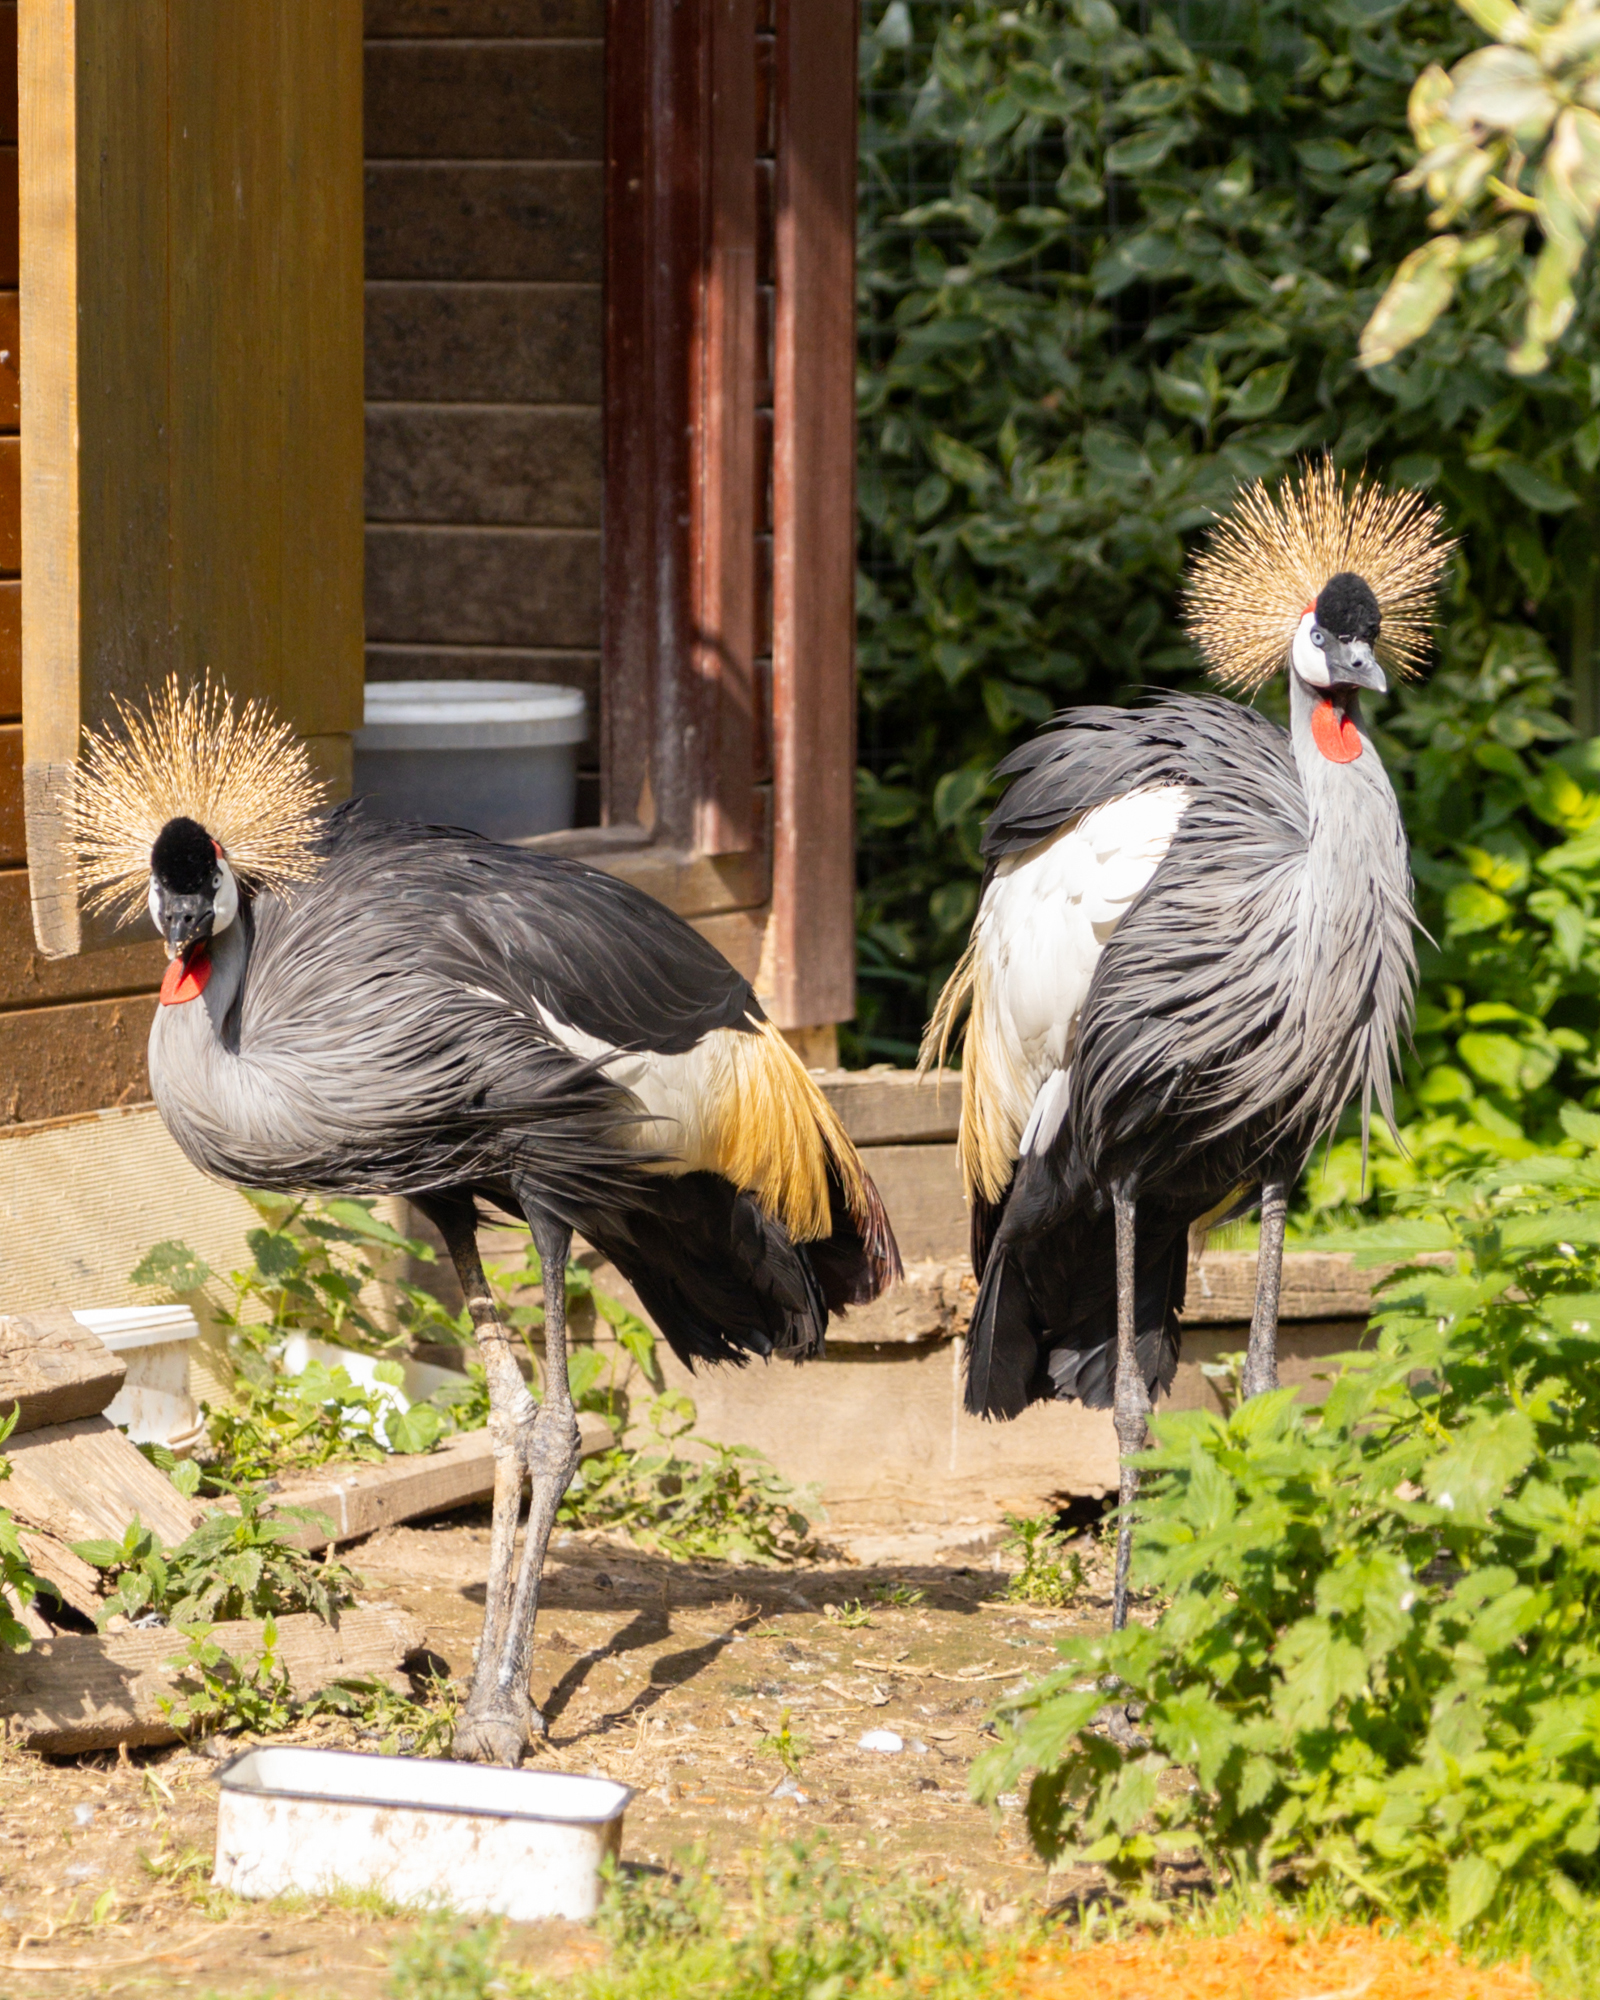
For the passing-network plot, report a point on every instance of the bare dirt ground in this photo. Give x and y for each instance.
(667, 1677)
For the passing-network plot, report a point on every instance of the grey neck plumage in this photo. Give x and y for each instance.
(1361, 957)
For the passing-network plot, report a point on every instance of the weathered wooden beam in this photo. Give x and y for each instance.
(52, 1369)
(79, 1692)
(83, 1481)
(360, 1499)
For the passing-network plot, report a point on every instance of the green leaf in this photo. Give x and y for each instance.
(1260, 393)
(1418, 293)
(172, 1267)
(1471, 1887)
(1534, 488)
(1471, 907)
(415, 1430)
(957, 794)
(1497, 1059)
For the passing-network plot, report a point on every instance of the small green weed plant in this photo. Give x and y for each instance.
(19, 1586)
(786, 1745)
(233, 1565)
(219, 1695)
(688, 1497)
(1377, 1664)
(1049, 1575)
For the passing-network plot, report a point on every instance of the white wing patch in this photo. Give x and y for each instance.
(1045, 919)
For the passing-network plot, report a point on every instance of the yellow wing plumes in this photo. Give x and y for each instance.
(989, 1130)
(192, 754)
(1269, 558)
(774, 1133)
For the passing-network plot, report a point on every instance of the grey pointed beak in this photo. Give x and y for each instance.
(1352, 663)
(185, 920)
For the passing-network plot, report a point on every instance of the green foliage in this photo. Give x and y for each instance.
(401, 1725)
(18, 1584)
(279, 1422)
(234, 1565)
(318, 1268)
(1510, 145)
(1109, 273)
(786, 1746)
(221, 1696)
(1378, 1661)
(690, 1497)
(852, 1614)
(806, 1928)
(1044, 1578)
(1508, 1021)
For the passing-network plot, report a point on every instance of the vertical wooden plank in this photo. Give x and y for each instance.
(638, 513)
(813, 648)
(192, 436)
(680, 368)
(321, 316)
(724, 372)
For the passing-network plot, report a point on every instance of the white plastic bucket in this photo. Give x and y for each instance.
(486, 1842)
(499, 757)
(153, 1405)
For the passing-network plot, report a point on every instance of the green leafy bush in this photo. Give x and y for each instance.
(1109, 272)
(1377, 1658)
(234, 1565)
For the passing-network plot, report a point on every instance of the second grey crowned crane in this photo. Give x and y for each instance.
(359, 1006)
(1193, 947)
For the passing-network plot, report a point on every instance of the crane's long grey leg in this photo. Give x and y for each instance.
(1131, 1407)
(551, 1459)
(491, 1732)
(1261, 1358)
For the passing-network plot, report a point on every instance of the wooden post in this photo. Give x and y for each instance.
(191, 203)
(679, 639)
(813, 640)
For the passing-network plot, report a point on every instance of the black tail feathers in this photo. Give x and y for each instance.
(723, 1281)
(1045, 1322)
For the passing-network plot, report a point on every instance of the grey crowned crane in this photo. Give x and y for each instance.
(359, 1006)
(1193, 947)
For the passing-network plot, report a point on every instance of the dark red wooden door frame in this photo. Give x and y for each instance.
(682, 376)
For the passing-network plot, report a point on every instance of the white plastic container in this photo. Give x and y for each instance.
(485, 1842)
(499, 757)
(154, 1404)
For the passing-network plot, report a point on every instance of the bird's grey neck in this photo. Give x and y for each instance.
(1337, 795)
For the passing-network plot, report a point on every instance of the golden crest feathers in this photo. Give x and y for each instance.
(242, 773)
(1268, 559)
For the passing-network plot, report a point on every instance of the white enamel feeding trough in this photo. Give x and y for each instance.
(464, 1837)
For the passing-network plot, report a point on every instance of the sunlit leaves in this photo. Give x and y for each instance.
(1377, 1648)
(1501, 137)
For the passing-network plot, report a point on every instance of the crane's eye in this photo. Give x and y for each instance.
(1318, 636)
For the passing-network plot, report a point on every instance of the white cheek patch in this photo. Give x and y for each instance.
(155, 904)
(225, 903)
(1310, 662)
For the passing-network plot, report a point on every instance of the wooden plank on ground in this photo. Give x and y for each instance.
(83, 1481)
(81, 1692)
(52, 1369)
(360, 1499)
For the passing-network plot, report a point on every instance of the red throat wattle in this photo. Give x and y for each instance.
(186, 977)
(1334, 734)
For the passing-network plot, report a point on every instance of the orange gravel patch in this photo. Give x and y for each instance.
(1270, 1963)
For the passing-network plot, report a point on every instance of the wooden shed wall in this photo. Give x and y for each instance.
(485, 133)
